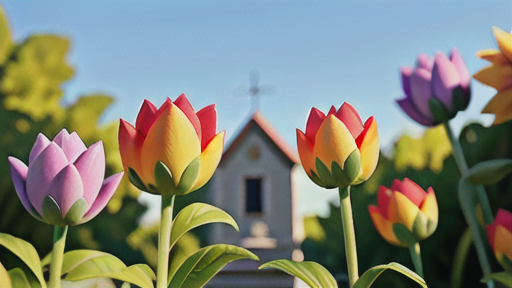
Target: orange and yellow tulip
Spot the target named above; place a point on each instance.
(337, 150)
(405, 213)
(499, 234)
(171, 150)
(498, 76)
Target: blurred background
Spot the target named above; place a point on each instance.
(83, 65)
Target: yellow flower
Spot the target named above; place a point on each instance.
(498, 76)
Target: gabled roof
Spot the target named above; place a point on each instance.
(259, 122)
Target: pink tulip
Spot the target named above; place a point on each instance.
(63, 183)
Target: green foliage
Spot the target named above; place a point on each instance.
(489, 172)
(312, 273)
(503, 277)
(373, 273)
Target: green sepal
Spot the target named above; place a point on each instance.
(76, 212)
(189, 177)
(423, 227)
(51, 212)
(506, 263)
(489, 172)
(403, 234)
(352, 166)
(314, 177)
(164, 180)
(503, 277)
(325, 175)
(135, 180)
(459, 102)
(312, 273)
(438, 110)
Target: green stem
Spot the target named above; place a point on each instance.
(416, 258)
(164, 237)
(59, 241)
(349, 234)
(468, 207)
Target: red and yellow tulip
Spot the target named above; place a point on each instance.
(405, 213)
(173, 149)
(499, 234)
(337, 150)
(498, 76)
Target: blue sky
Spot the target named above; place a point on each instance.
(312, 54)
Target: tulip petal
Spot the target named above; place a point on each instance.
(42, 172)
(406, 73)
(66, 188)
(333, 142)
(208, 119)
(315, 119)
(173, 140)
(425, 62)
(383, 199)
(492, 55)
(41, 143)
(130, 145)
(91, 166)
(384, 226)
(186, 108)
(349, 116)
(209, 160)
(502, 243)
(445, 78)
(421, 91)
(503, 218)
(71, 144)
(429, 206)
(497, 76)
(501, 106)
(145, 118)
(408, 106)
(19, 176)
(504, 40)
(368, 145)
(461, 69)
(412, 191)
(402, 210)
(107, 191)
(305, 149)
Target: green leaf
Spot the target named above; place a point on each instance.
(18, 278)
(164, 180)
(26, 252)
(367, 279)
(51, 212)
(135, 180)
(489, 172)
(46, 260)
(199, 268)
(312, 273)
(77, 211)
(86, 264)
(403, 234)
(197, 214)
(189, 177)
(5, 279)
(502, 277)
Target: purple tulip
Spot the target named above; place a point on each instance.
(444, 80)
(63, 183)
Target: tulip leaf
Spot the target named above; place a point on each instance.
(438, 110)
(368, 277)
(76, 212)
(135, 180)
(403, 234)
(164, 180)
(189, 177)
(489, 172)
(459, 102)
(197, 214)
(325, 175)
(86, 264)
(51, 211)
(26, 252)
(201, 266)
(352, 166)
(312, 273)
(502, 277)
(18, 278)
(5, 279)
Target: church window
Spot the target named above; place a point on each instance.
(253, 197)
